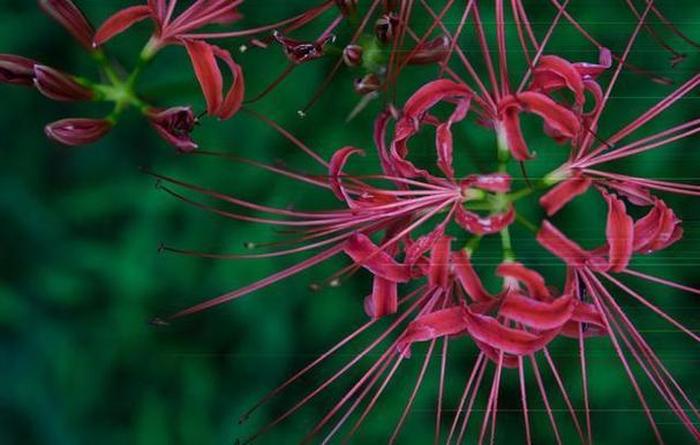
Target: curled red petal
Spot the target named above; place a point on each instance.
(593, 70)
(564, 192)
(233, 100)
(120, 22)
(557, 117)
(384, 298)
(634, 193)
(513, 341)
(509, 116)
(657, 230)
(619, 232)
(207, 72)
(430, 94)
(433, 325)
(483, 225)
(335, 168)
(558, 244)
(365, 253)
(439, 271)
(553, 72)
(417, 248)
(537, 314)
(532, 280)
(491, 182)
(468, 277)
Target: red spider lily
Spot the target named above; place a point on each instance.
(377, 230)
(78, 131)
(174, 125)
(175, 30)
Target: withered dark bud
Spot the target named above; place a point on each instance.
(347, 7)
(300, 52)
(352, 55)
(368, 84)
(432, 51)
(174, 125)
(385, 27)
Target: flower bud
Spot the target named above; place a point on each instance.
(385, 26)
(59, 86)
(352, 55)
(174, 125)
(368, 84)
(78, 131)
(71, 18)
(432, 51)
(16, 70)
(300, 52)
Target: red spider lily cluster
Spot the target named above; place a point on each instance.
(402, 224)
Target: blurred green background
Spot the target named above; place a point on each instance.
(81, 275)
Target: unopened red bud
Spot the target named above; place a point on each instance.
(432, 51)
(78, 131)
(352, 55)
(16, 70)
(298, 51)
(368, 84)
(71, 18)
(174, 125)
(59, 86)
(385, 27)
(347, 7)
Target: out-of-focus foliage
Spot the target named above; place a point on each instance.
(81, 274)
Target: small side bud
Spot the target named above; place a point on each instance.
(352, 55)
(432, 51)
(367, 84)
(16, 70)
(78, 131)
(174, 125)
(71, 18)
(385, 27)
(59, 86)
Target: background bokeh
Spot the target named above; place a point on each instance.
(81, 276)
